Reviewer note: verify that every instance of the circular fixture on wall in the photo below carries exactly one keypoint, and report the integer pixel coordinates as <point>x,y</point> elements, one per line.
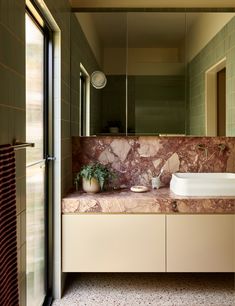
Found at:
<point>98,79</point>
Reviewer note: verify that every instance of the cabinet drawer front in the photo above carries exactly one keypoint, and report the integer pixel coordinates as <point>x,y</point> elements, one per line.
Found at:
<point>202,243</point>
<point>113,243</point>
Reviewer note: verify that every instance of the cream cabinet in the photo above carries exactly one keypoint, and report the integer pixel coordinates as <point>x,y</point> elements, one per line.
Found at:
<point>200,243</point>
<point>113,243</point>
<point>148,243</point>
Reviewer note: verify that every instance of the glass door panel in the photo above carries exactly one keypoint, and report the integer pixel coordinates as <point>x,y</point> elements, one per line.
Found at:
<point>35,234</point>
<point>36,197</point>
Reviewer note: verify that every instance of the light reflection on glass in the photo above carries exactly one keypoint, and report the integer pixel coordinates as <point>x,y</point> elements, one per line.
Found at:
<point>34,89</point>
<point>35,187</point>
<point>35,235</point>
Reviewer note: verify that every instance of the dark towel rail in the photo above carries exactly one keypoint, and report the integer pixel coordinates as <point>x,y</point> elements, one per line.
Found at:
<point>21,145</point>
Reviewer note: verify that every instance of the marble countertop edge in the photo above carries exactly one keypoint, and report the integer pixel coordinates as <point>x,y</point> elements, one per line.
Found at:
<point>161,201</point>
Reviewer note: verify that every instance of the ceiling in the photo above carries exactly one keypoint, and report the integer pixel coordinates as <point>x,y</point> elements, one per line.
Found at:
<point>144,30</point>
<point>81,4</point>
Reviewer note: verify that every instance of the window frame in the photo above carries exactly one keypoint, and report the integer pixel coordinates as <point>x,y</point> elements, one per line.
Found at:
<point>84,102</point>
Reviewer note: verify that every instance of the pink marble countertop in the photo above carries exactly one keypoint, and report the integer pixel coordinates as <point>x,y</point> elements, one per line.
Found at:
<point>154,201</point>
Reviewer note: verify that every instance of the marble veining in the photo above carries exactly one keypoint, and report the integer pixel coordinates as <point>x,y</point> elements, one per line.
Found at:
<point>154,201</point>
<point>136,160</point>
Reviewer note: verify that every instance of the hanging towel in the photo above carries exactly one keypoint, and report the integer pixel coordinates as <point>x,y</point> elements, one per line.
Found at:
<point>9,295</point>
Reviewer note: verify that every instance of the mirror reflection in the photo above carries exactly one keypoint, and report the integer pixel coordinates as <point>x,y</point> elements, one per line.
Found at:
<point>156,73</point>
<point>167,73</point>
<point>103,38</point>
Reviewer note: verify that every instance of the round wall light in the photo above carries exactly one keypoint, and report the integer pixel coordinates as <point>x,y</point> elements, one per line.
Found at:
<point>98,79</point>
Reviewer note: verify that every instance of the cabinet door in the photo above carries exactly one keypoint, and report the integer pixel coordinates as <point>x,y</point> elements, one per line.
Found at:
<point>201,243</point>
<point>113,243</point>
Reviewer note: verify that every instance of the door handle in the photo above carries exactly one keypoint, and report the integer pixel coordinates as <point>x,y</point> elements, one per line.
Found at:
<point>50,158</point>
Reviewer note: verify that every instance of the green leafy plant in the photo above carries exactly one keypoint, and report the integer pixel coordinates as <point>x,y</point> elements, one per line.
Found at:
<point>97,171</point>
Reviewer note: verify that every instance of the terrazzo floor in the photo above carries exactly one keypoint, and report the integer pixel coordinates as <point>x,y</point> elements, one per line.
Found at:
<point>148,289</point>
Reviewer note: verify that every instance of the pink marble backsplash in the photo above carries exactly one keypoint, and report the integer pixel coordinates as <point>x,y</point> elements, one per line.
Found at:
<point>136,160</point>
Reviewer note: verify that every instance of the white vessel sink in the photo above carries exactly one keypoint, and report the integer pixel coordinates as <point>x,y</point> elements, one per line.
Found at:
<point>203,184</point>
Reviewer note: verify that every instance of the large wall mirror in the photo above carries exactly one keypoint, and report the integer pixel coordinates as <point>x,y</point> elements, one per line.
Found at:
<point>168,73</point>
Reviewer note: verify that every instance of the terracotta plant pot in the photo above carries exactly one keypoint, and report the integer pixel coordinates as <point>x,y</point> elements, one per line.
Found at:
<point>90,186</point>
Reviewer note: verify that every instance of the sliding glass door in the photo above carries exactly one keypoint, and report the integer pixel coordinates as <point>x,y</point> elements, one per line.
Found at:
<point>36,160</point>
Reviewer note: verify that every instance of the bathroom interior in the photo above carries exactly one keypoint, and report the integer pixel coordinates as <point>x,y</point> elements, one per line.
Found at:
<point>117,124</point>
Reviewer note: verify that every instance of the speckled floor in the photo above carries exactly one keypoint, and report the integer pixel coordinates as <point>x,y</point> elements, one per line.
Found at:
<point>149,289</point>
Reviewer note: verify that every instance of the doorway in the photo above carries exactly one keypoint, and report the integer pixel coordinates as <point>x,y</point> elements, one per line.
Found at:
<point>221,102</point>
<point>215,100</point>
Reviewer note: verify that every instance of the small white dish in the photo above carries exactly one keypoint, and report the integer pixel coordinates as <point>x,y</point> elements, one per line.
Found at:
<point>139,188</point>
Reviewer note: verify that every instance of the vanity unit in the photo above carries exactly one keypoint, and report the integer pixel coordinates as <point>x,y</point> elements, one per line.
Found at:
<point>157,231</point>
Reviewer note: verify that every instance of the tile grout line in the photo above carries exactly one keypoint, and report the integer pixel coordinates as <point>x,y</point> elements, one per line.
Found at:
<point>12,33</point>
<point>12,70</point>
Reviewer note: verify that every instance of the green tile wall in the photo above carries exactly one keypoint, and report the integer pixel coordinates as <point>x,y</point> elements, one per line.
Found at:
<point>12,110</point>
<point>222,45</point>
<point>159,104</point>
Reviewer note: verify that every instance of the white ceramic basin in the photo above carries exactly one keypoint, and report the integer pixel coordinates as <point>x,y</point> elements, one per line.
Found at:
<point>203,184</point>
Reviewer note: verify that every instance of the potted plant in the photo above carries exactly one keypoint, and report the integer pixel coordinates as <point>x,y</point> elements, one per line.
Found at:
<point>93,176</point>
